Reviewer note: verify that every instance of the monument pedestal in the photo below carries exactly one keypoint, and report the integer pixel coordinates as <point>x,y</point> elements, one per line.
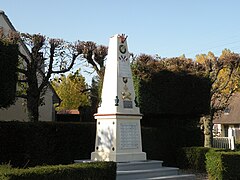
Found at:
<point>118,138</point>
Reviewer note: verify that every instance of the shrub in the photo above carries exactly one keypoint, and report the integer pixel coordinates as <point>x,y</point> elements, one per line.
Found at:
<point>31,144</point>
<point>163,143</point>
<point>193,158</point>
<point>170,86</point>
<point>223,165</point>
<point>91,171</point>
<point>8,73</point>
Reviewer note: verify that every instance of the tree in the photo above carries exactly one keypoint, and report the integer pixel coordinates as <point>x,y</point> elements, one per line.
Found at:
<point>95,56</point>
<point>47,57</point>
<point>223,73</point>
<point>8,70</point>
<point>70,89</point>
<point>172,88</point>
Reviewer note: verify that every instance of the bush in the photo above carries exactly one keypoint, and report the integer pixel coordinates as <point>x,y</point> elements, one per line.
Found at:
<point>8,73</point>
<point>31,144</point>
<point>193,158</point>
<point>91,171</point>
<point>223,165</point>
<point>237,146</point>
<point>162,143</point>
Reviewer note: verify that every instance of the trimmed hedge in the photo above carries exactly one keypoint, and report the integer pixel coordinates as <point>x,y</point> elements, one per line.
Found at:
<point>193,158</point>
<point>30,144</point>
<point>223,165</point>
<point>81,171</point>
<point>163,143</point>
<point>8,73</point>
<point>174,93</point>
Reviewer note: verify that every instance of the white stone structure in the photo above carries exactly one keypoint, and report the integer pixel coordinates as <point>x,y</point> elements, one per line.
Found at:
<point>118,136</point>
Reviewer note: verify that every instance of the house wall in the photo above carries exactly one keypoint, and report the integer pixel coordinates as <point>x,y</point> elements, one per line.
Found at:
<point>18,111</point>
<point>6,29</point>
<point>228,130</point>
<point>217,130</point>
<point>47,111</point>
<point>4,24</point>
<point>14,112</point>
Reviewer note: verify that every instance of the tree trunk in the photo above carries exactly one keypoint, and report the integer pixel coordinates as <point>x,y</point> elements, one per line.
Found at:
<point>32,106</point>
<point>33,98</point>
<point>208,135</point>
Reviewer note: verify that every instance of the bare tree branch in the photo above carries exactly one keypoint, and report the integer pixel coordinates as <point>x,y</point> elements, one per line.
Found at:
<point>22,71</point>
<point>24,57</point>
<point>21,96</point>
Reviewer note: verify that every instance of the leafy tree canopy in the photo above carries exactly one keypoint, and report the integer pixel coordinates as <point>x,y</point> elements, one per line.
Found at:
<point>71,90</point>
<point>171,86</point>
<point>8,71</point>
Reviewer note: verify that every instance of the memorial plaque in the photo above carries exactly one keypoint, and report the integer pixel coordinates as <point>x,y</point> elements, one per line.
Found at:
<point>129,136</point>
<point>124,67</point>
<point>127,104</point>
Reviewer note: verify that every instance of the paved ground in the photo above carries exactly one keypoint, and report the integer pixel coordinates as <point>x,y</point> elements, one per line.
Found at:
<point>199,176</point>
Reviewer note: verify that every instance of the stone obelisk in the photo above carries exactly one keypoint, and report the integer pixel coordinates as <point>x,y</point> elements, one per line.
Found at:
<point>118,136</point>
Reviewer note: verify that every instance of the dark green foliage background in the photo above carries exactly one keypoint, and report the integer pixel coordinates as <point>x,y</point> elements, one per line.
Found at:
<point>31,144</point>
<point>164,143</point>
<point>8,74</point>
<point>175,93</point>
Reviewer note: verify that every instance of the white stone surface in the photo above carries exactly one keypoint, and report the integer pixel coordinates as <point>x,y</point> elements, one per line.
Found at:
<point>118,80</point>
<point>118,136</point>
<point>118,139</point>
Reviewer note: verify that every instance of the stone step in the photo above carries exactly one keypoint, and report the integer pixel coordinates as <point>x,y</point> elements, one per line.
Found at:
<point>139,165</point>
<point>173,177</point>
<point>147,173</point>
<point>146,170</point>
<point>150,169</point>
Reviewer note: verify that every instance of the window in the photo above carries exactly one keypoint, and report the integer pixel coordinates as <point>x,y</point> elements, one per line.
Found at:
<point>226,111</point>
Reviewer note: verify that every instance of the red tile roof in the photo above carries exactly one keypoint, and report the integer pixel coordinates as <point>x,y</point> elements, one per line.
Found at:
<point>73,111</point>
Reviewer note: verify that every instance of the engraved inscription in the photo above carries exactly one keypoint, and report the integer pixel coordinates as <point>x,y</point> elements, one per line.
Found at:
<point>127,104</point>
<point>124,67</point>
<point>129,136</point>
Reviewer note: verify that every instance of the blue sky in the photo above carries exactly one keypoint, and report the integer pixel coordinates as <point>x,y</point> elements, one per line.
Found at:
<point>168,28</point>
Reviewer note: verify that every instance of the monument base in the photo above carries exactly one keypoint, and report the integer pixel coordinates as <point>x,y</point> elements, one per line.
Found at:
<point>118,157</point>
<point>118,138</point>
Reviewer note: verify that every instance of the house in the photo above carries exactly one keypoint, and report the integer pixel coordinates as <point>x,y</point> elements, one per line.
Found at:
<point>228,123</point>
<point>18,111</point>
<point>68,116</point>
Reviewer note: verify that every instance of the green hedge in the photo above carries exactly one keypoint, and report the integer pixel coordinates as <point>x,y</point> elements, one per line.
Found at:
<point>193,158</point>
<point>81,171</point>
<point>8,73</point>
<point>223,165</point>
<point>163,143</point>
<point>170,90</point>
<point>31,144</point>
